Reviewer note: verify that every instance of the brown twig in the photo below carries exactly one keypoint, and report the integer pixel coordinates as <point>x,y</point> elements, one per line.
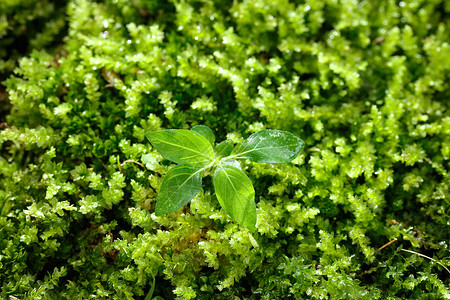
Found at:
<point>387,244</point>
<point>132,161</point>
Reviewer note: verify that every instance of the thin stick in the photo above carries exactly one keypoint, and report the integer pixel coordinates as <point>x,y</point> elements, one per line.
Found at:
<point>132,161</point>
<point>127,161</point>
<point>387,244</point>
<point>420,254</point>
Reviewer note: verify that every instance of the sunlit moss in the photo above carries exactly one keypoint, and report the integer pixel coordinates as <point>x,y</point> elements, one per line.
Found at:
<point>364,83</point>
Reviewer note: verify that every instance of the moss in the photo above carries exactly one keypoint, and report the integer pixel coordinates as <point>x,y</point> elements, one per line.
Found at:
<point>27,25</point>
<point>365,84</point>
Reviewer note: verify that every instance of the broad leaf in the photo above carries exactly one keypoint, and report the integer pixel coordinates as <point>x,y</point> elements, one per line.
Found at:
<point>236,195</point>
<point>224,148</point>
<point>232,162</point>
<point>180,185</point>
<point>270,146</point>
<point>182,146</point>
<point>206,132</point>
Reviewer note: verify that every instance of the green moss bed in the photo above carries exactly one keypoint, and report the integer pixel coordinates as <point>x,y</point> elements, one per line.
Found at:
<point>362,213</point>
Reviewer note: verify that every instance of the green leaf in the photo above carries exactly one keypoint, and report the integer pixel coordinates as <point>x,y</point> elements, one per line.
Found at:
<point>270,146</point>
<point>236,195</point>
<point>182,146</point>
<point>152,290</point>
<point>180,185</point>
<point>206,132</point>
<point>224,148</point>
<point>232,162</point>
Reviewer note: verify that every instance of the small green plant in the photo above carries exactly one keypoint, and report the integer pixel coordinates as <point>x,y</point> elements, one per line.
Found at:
<point>194,152</point>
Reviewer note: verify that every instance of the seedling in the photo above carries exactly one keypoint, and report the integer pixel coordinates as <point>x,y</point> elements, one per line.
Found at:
<point>194,152</point>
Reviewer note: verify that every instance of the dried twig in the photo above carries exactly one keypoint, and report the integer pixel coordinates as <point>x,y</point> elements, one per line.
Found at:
<point>387,244</point>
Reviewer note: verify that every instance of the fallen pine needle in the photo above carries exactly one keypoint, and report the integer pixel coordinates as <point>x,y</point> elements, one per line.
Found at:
<point>420,254</point>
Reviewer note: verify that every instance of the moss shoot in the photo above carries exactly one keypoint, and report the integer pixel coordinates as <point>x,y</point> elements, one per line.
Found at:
<point>362,213</point>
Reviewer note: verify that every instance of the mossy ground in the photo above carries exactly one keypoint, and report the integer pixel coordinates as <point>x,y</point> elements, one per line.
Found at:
<point>364,83</point>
